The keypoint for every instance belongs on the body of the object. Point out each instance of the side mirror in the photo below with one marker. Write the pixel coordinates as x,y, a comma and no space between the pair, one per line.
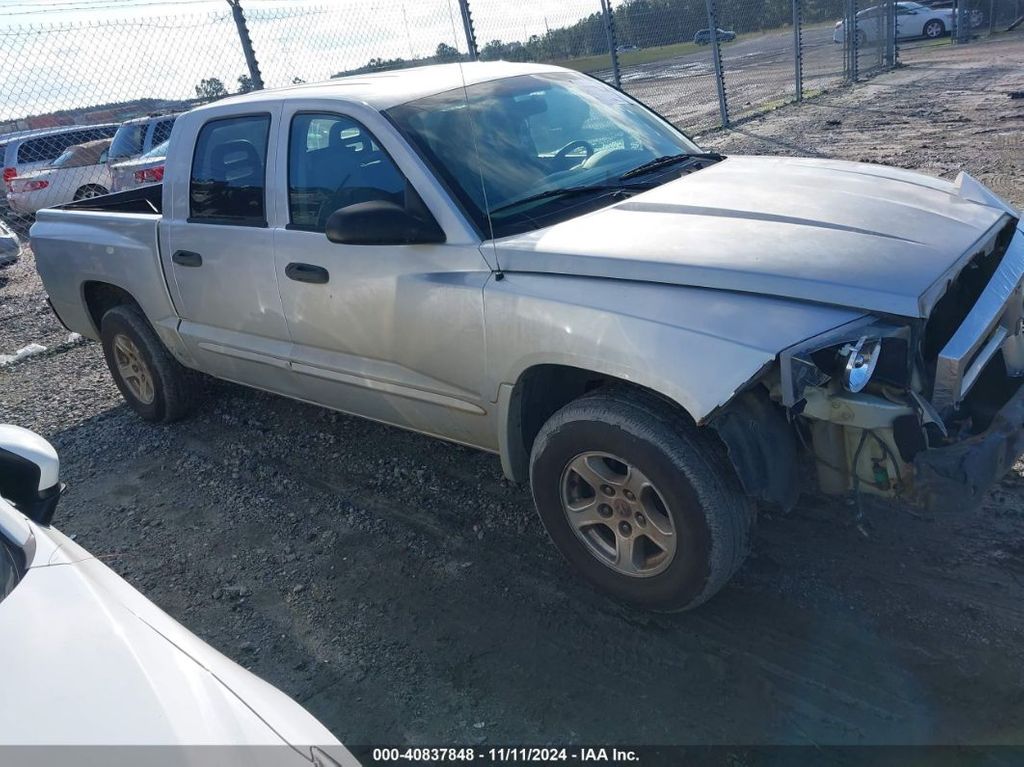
380,223
29,473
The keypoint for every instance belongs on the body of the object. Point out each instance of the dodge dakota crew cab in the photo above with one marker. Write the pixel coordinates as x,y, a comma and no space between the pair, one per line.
525,260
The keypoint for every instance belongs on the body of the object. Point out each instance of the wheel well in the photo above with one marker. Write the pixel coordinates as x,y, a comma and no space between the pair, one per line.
101,297
540,392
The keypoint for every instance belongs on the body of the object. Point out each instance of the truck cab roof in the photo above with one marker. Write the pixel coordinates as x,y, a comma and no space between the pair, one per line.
383,90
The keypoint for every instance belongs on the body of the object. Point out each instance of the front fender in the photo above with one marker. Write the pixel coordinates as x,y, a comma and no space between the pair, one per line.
696,346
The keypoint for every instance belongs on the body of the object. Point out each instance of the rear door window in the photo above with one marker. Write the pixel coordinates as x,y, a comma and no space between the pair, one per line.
128,141
42,149
161,132
229,170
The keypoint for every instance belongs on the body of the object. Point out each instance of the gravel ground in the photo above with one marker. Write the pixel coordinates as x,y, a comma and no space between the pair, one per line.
404,592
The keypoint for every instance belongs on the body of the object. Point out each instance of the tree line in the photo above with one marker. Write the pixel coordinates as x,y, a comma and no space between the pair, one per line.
640,23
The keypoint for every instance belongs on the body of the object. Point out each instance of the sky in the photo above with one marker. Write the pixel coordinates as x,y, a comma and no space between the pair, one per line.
60,54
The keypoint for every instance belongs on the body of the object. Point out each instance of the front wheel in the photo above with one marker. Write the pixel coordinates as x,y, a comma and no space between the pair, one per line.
642,503
934,29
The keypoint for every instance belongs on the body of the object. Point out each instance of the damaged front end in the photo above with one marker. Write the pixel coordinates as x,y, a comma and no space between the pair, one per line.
927,410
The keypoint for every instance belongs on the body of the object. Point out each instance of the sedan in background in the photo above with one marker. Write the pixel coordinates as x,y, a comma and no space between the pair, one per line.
147,169
81,172
913,20
703,36
93,662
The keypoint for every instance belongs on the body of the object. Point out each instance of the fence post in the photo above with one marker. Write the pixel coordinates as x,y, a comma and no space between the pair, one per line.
798,61
613,49
895,36
851,41
716,55
467,23
243,35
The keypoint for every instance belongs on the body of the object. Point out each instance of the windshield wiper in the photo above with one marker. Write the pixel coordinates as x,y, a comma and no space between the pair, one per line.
570,191
669,159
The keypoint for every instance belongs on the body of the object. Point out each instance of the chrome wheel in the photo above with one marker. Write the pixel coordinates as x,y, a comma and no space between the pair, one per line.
133,370
618,514
933,29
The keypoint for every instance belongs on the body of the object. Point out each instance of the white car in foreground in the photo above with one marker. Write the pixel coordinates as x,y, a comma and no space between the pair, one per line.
78,174
95,663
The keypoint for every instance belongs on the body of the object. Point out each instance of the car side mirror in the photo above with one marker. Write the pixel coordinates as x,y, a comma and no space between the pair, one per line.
381,223
29,473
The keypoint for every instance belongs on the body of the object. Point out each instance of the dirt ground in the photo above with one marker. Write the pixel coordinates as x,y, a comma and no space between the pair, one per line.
403,592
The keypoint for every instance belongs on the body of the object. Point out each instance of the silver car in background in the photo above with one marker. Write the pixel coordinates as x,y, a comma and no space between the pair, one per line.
78,174
138,136
147,169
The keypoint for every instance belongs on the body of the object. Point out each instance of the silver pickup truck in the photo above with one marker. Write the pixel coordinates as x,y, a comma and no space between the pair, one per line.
522,259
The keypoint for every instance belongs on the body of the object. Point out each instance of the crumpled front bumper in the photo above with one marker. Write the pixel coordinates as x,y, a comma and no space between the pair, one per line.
956,478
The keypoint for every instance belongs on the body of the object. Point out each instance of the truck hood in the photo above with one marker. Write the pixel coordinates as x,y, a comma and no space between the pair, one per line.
842,233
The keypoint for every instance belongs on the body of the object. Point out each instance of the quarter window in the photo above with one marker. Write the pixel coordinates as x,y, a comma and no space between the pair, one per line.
229,170
333,161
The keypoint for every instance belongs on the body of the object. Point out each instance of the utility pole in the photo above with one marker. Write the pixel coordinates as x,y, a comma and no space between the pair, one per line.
243,36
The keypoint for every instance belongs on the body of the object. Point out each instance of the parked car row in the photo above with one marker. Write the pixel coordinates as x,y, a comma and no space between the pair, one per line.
49,167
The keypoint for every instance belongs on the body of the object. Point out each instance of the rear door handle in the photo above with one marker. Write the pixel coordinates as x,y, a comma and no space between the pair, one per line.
187,258
307,273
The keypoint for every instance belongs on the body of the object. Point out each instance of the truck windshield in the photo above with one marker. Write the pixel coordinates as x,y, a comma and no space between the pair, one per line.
526,138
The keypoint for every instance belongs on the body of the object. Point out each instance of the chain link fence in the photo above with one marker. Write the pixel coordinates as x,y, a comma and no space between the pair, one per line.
90,88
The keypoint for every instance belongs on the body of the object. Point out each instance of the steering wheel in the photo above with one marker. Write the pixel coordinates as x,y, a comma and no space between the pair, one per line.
586,146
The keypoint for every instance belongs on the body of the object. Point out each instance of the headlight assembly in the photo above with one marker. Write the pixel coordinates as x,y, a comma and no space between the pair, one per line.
855,355
861,360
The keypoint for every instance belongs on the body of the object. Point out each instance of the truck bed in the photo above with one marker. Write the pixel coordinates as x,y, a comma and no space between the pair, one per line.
143,199
88,248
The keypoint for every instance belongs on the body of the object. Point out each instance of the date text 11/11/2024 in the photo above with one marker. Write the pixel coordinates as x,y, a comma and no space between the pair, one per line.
505,754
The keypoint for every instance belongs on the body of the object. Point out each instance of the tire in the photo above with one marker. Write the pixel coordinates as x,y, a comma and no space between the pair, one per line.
934,29
691,487
128,338
89,191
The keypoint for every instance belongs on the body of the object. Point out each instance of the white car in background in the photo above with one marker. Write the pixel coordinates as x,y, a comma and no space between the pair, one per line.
147,169
79,173
912,20
89,661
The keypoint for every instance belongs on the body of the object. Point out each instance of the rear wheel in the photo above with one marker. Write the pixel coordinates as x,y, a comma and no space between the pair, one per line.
934,29
152,382
642,503
89,191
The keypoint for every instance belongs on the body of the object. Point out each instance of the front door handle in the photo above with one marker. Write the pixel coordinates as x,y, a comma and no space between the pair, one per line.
187,258
307,273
